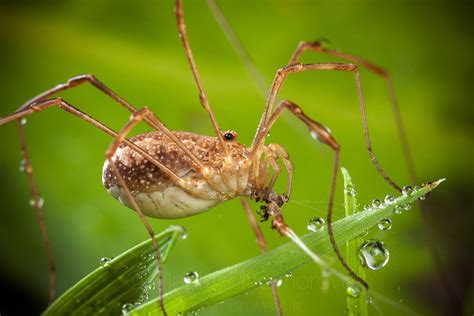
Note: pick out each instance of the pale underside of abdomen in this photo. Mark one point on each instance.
(153, 190)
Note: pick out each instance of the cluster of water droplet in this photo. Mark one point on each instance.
(37, 202)
(349, 190)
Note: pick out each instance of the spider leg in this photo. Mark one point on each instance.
(136, 118)
(189, 55)
(283, 155)
(263, 247)
(402, 134)
(45, 104)
(321, 133)
(278, 81)
(151, 120)
(39, 213)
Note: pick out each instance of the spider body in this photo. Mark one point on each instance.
(222, 177)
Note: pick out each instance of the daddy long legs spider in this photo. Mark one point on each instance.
(273, 150)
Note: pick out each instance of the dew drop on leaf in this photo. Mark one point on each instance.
(397, 209)
(376, 203)
(104, 261)
(389, 199)
(353, 290)
(407, 190)
(191, 277)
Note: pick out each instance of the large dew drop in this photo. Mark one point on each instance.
(374, 254)
(191, 277)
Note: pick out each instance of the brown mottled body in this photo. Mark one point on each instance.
(223, 176)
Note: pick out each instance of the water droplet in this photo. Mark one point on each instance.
(324, 43)
(191, 277)
(397, 209)
(423, 197)
(22, 165)
(40, 202)
(385, 224)
(389, 199)
(149, 286)
(350, 190)
(104, 261)
(184, 233)
(369, 299)
(143, 298)
(288, 274)
(279, 282)
(127, 307)
(364, 233)
(367, 207)
(374, 254)
(23, 121)
(315, 224)
(407, 190)
(314, 135)
(416, 188)
(376, 203)
(353, 290)
(407, 207)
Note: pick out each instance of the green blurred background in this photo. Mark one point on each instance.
(133, 47)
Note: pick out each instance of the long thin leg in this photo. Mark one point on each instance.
(189, 54)
(76, 112)
(118, 137)
(321, 133)
(377, 70)
(263, 247)
(136, 118)
(151, 120)
(385, 75)
(280, 77)
(37, 204)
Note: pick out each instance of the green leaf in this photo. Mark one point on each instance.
(122, 280)
(242, 277)
(356, 306)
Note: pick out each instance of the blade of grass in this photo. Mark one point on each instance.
(122, 280)
(244, 276)
(355, 305)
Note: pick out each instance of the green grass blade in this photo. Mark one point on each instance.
(242, 277)
(356, 306)
(124, 279)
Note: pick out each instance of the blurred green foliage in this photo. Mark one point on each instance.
(133, 47)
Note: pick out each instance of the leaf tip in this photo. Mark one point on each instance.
(433, 185)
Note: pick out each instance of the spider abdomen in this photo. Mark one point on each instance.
(157, 194)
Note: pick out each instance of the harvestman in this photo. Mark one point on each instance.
(168, 174)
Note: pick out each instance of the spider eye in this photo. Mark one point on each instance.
(229, 136)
